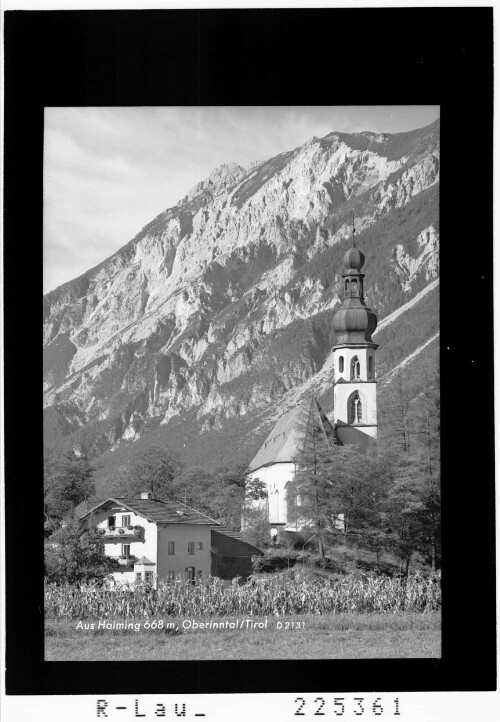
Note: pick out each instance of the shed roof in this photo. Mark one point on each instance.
(227, 543)
(285, 439)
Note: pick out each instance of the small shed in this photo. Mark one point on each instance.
(231, 554)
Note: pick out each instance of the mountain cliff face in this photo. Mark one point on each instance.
(222, 305)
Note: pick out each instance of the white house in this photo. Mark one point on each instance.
(355, 401)
(155, 540)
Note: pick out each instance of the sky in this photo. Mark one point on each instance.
(109, 171)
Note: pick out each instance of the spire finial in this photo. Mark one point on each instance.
(353, 231)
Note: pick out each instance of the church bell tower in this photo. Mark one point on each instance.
(355, 387)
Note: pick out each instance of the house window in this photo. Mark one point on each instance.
(200, 546)
(341, 364)
(171, 548)
(126, 520)
(190, 571)
(170, 575)
(138, 576)
(148, 577)
(190, 547)
(126, 550)
(111, 521)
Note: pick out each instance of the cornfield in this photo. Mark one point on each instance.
(279, 596)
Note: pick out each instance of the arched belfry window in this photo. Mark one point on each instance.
(355, 368)
(354, 287)
(341, 364)
(355, 410)
(346, 286)
(370, 365)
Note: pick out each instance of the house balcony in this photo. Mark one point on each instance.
(126, 561)
(123, 532)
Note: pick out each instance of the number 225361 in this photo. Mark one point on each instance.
(339, 706)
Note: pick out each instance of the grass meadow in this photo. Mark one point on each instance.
(329, 636)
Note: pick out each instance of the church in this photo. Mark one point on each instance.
(355, 401)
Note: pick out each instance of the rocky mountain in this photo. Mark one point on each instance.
(217, 315)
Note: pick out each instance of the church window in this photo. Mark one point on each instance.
(356, 410)
(341, 364)
(355, 368)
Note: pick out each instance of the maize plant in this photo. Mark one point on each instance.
(277, 596)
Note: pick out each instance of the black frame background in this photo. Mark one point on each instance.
(264, 57)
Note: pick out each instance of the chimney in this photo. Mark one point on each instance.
(146, 495)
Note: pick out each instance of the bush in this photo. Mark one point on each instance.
(330, 565)
(75, 554)
(275, 560)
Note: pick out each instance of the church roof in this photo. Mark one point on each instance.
(286, 437)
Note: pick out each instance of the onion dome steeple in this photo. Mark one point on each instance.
(354, 260)
(354, 322)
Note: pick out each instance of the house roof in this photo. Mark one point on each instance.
(144, 560)
(285, 439)
(227, 543)
(159, 512)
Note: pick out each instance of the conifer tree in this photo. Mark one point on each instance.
(424, 425)
(312, 485)
(406, 510)
(412, 406)
(338, 487)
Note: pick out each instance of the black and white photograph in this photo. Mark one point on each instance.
(249, 443)
(241, 383)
